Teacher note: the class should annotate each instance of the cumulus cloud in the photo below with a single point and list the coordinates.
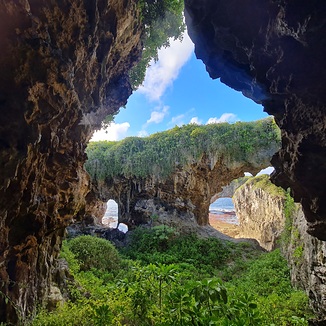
(225, 117)
(142, 133)
(158, 114)
(161, 74)
(115, 131)
(195, 121)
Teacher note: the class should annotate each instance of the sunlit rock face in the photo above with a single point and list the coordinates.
(264, 215)
(274, 53)
(64, 67)
(260, 211)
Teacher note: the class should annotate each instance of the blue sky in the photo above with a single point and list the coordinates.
(177, 90)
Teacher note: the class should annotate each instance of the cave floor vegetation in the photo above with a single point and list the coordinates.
(164, 278)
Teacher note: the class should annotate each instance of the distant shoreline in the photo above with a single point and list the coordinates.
(225, 223)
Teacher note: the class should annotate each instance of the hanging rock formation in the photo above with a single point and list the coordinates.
(274, 53)
(229, 190)
(64, 67)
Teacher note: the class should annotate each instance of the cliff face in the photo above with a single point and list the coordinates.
(64, 67)
(264, 214)
(306, 257)
(274, 53)
(260, 210)
(229, 190)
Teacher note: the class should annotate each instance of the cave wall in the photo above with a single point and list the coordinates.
(306, 257)
(273, 51)
(64, 67)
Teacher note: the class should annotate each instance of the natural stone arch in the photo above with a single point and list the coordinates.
(184, 193)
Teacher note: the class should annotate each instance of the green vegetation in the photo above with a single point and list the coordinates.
(164, 278)
(263, 182)
(289, 209)
(161, 153)
(85, 248)
(161, 21)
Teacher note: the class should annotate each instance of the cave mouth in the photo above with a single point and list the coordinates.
(111, 217)
(222, 216)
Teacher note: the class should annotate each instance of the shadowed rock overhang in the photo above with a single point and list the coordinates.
(274, 53)
(64, 67)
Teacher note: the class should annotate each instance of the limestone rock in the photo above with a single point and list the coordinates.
(229, 190)
(259, 207)
(274, 53)
(55, 298)
(306, 257)
(64, 66)
(181, 199)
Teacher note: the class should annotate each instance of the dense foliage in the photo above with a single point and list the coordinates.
(86, 247)
(161, 21)
(163, 286)
(161, 153)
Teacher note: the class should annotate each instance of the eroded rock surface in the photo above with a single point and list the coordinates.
(306, 257)
(229, 190)
(268, 215)
(259, 207)
(182, 199)
(64, 67)
(274, 53)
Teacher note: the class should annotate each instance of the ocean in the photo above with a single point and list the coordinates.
(224, 208)
(222, 205)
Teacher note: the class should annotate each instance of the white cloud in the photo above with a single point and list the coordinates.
(268, 171)
(115, 131)
(158, 115)
(195, 121)
(161, 74)
(225, 117)
(142, 133)
(177, 120)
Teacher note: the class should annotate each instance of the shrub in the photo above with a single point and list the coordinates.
(94, 253)
(266, 275)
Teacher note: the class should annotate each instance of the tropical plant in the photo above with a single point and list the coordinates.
(179, 294)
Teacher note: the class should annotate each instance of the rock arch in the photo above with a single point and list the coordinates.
(183, 195)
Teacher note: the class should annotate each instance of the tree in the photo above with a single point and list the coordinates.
(162, 20)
